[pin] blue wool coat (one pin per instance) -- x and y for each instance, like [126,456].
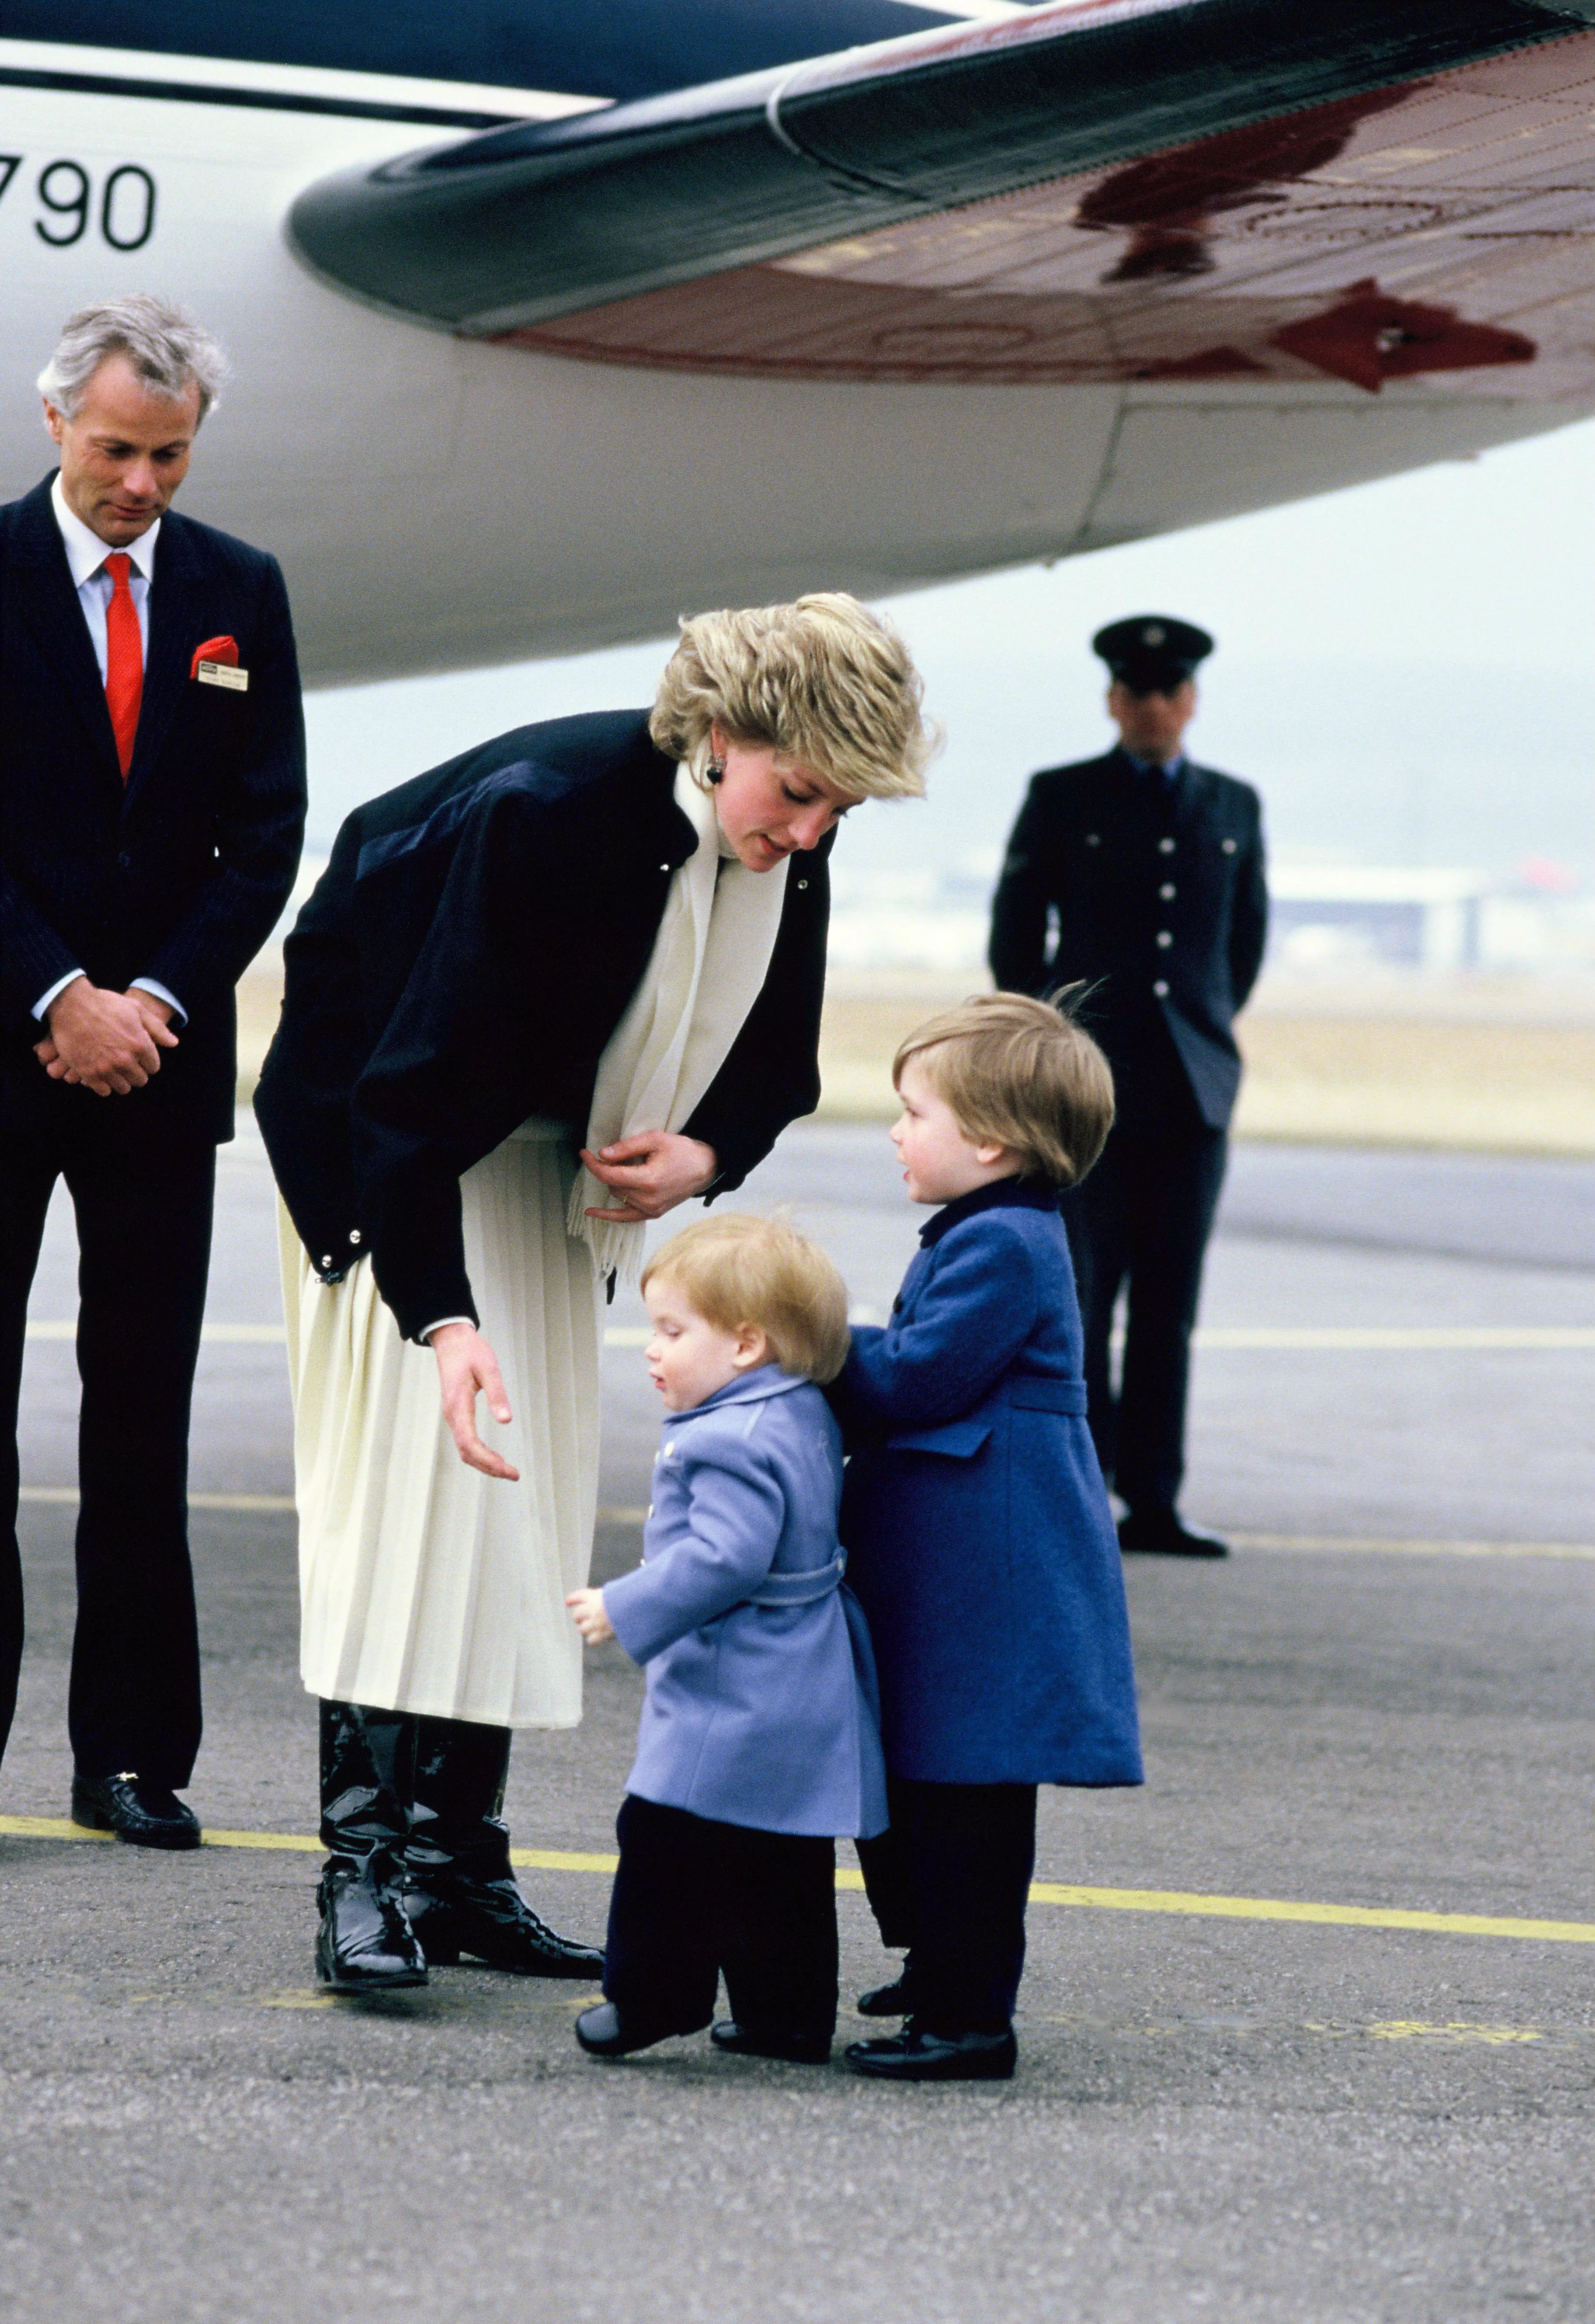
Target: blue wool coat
[761,1706]
[975,1519]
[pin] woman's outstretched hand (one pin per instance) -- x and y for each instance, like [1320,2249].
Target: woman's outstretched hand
[467,1369]
[652,1173]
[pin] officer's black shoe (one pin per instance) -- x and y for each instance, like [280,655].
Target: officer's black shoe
[1161,1532]
[459,1891]
[914,2056]
[887,2000]
[144,1814]
[792,2048]
[603,2032]
[365,1944]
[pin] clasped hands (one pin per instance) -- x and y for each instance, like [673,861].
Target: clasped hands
[106,1042]
[655,1171]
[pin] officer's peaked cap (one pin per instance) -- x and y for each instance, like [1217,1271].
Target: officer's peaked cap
[1152,653]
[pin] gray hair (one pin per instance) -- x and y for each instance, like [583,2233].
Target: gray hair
[168,349]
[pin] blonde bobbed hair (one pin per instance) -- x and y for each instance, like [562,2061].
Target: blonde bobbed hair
[825,681]
[738,1270]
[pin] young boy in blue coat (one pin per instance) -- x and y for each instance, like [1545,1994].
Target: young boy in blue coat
[977,1525]
[759,1740]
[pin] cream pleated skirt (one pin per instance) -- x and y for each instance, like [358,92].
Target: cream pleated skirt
[425,1586]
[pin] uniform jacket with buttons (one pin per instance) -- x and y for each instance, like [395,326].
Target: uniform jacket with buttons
[464,959]
[181,872]
[1153,893]
[974,1516]
[761,1707]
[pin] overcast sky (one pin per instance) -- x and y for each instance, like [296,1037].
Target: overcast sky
[1407,671]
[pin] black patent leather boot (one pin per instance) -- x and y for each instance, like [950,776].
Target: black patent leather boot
[460,1894]
[364,1943]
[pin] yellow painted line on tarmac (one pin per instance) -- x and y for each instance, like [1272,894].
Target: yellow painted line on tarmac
[1352,1338]
[1359,1338]
[66,1496]
[1178,1902]
[634,1514]
[239,1335]
[1387,1546]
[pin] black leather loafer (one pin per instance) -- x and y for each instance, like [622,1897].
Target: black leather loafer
[886,2000]
[913,2057]
[1160,1533]
[791,2049]
[144,1814]
[492,1922]
[603,2032]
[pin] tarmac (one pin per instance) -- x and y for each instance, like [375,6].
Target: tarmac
[1308,2030]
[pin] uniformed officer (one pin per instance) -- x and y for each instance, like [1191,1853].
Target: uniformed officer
[1140,876]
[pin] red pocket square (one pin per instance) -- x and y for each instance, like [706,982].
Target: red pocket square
[221,649]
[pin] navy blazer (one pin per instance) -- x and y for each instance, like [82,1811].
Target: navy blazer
[466,955]
[976,1524]
[1095,846]
[180,873]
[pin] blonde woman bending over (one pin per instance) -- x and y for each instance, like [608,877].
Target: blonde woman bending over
[540,996]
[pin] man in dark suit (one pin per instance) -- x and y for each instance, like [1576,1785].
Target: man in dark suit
[1140,876]
[152,807]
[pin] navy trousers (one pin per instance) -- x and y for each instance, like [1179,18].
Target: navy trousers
[1141,1221]
[143,1212]
[693,1898]
[950,1880]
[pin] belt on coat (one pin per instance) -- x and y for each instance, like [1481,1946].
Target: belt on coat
[1035,1393]
[800,1589]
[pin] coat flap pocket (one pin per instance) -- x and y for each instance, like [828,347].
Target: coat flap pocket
[959,1440]
[1048,1395]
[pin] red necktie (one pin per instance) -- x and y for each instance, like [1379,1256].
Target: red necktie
[124,660]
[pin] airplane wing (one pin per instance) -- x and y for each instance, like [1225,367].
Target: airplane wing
[1091,189]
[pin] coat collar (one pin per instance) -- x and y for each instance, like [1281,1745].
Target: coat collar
[176,625]
[748,1388]
[55,613]
[51,609]
[1002,1194]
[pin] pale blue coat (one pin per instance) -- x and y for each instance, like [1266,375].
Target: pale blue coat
[761,1707]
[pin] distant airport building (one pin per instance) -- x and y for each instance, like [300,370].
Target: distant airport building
[1322,915]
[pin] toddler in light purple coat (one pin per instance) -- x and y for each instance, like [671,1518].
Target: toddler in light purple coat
[760,1741]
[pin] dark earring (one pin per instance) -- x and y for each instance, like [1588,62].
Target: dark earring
[715,771]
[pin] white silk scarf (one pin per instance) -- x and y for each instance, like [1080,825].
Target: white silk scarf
[708,964]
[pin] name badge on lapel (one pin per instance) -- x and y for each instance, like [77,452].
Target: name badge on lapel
[216,663]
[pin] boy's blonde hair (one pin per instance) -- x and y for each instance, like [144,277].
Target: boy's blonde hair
[1021,1073]
[737,1269]
[826,682]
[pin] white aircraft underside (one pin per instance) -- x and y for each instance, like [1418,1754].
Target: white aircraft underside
[1055,368]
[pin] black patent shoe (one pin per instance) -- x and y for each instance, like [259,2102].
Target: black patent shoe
[144,1814]
[791,2049]
[886,2000]
[364,1943]
[491,1920]
[912,2056]
[603,2032]
[1160,1533]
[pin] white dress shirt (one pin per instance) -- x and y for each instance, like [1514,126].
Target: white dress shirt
[87,553]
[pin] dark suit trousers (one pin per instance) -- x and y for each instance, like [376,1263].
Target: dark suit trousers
[1142,1218]
[143,1216]
[693,1897]
[950,1880]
